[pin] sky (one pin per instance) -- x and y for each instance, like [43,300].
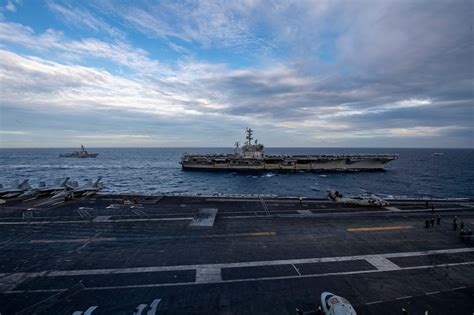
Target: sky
[196,73]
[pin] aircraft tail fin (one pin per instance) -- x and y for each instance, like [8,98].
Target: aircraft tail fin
[97,182]
[64,182]
[24,185]
[332,194]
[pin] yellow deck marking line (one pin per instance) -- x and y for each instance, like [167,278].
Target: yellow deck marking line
[105,239]
[381,228]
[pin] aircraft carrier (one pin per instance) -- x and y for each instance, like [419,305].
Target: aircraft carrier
[252,158]
[132,254]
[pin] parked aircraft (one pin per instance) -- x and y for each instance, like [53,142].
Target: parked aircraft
[44,190]
[15,190]
[76,191]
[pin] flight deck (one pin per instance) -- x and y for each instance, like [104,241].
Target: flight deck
[132,254]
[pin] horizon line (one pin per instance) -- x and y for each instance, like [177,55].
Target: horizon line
[225,147]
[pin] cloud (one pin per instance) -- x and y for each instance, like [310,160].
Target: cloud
[10,6]
[14,132]
[339,70]
[54,42]
[208,24]
[32,81]
[80,17]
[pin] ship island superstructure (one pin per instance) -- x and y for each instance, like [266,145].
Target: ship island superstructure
[251,156]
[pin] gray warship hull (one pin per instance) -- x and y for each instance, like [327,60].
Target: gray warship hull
[287,163]
[89,155]
[251,157]
[82,154]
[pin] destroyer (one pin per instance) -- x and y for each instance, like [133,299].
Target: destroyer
[252,157]
[80,154]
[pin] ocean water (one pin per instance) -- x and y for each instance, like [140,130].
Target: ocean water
[157,170]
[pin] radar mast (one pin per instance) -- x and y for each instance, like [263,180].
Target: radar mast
[249,136]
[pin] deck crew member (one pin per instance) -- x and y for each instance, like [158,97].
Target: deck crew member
[468,235]
[462,234]
[455,223]
[438,219]
[461,225]
[427,223]
[432,221]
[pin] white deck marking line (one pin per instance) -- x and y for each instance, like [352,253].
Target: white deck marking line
[84,214]
[156,285]
[404,297]
[153,307]
[208,274]
[431,293]
[349,213]
[88,241]
[296,269]
[375,302]
[102,218]
[212,272]
[469,205]
[204,217]
[76,240]
[458,288]
[157,238]
[151,219]
[305,212]
[382,263]
[394,209]
[294,200]
[264,206]
[9,282]
[437,210]
[298,216]
[138,212]
[233,200]
[56,273]
[88,221]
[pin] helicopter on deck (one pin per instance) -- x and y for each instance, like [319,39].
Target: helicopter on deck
[331,304]
[365,199]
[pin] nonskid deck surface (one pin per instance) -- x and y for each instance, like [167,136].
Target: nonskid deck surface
[239,255]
